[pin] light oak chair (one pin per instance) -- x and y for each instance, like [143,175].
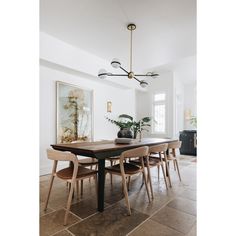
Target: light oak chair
[158,155]
[87,162]
[172,155]
[113,161]
[125,170]
[72,174]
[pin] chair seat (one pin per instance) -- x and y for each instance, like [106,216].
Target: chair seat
[129,168]
[67,173]
[152,162]
[171,158]
[88,161]
[154,155]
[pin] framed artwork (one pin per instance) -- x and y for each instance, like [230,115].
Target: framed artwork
[74,113]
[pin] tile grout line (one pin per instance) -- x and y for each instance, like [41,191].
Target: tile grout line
[110,205]
[86,217]
[150,216]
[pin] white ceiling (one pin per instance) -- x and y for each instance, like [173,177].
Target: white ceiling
[166,29]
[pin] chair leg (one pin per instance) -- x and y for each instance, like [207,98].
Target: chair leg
[111,162]
[126,194]
[174,165]
[158,172]
[69,201]
[150,181]
[82,187]
[177,165]
[164,175]
[146,185]
[96,185]
[49,191]
[129,178]
[77,189]
[142,180]
[91,167]
[168,173]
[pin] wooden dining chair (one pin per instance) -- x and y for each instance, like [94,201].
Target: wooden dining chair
[71,174]
[113,161]
[158,156]
[172,155]
[125,170]
[90,162]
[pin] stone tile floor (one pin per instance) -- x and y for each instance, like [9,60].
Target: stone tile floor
[171,213]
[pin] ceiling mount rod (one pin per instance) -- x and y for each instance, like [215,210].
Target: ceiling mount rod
[131,27]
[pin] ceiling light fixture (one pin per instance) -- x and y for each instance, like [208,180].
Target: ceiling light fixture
[102,74]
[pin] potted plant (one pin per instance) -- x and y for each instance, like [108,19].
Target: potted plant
[129,128]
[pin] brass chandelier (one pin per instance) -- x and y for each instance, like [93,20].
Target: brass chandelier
[102,74]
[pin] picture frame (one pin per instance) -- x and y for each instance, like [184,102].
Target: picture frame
[74,113]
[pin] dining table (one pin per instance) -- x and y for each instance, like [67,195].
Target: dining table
[102,150]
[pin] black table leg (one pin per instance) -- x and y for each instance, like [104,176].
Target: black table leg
[167,154]
[101,184]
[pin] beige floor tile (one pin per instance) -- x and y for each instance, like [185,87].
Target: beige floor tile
[113,221]
[63,233]
[153,228]
[193,231]
[139,201]
[183,204]
[85,207]
[175,219]
[42,212]
[53,222]
[58,197]
[189,194]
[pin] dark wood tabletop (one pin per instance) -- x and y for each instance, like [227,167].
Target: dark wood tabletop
[102,150]
[107,148]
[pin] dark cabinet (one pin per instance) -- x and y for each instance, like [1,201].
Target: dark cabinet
[189,142]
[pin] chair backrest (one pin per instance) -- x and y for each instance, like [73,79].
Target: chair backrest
[174,145]
[136,152]
[61,156]
[158,148]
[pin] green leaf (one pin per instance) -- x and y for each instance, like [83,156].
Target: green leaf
[126,116]
[146,119]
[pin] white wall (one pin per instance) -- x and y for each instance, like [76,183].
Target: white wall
[184,92]
[63,62]
[178,105]
[144,102]
[60,62]
[62,53]
[181,96]
[190,103]
[123,101]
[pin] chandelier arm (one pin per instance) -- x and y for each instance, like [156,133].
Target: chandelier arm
[124,69]
[137,79]
[116,75]
[142,75]
[147,75]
